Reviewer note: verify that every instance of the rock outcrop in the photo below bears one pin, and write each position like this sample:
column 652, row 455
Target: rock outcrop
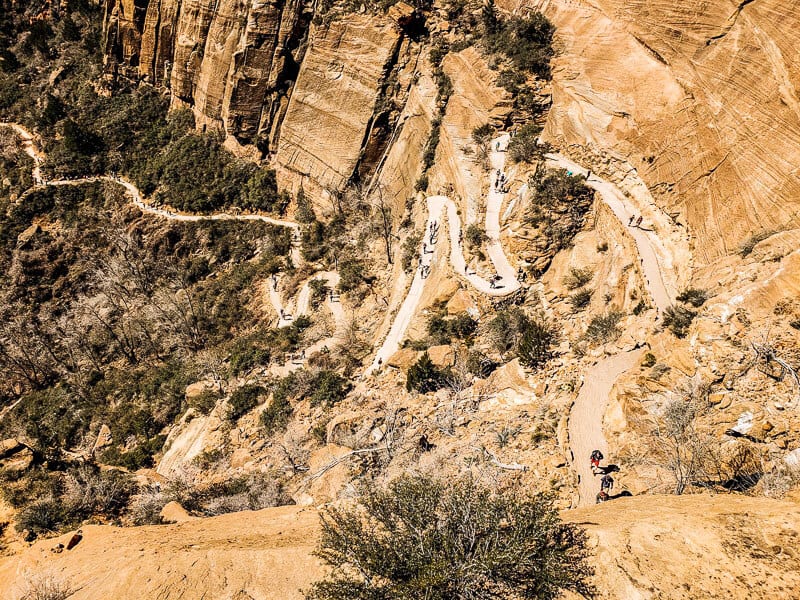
column 699, row 98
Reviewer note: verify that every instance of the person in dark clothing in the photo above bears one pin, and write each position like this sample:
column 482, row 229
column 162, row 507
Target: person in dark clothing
column 606, row 483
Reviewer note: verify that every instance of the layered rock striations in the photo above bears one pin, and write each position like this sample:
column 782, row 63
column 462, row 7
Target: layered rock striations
column 699, row 97
column 322, row 100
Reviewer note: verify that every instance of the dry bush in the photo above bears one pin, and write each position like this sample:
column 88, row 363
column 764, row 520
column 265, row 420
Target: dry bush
column 45, row 585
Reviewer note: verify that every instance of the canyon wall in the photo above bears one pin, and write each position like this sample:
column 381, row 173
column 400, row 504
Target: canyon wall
column 699, row 97
column 319, row 101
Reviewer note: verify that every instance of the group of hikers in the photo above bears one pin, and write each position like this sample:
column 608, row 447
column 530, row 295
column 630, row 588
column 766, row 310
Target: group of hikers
column 606, row 482
column 635, row 221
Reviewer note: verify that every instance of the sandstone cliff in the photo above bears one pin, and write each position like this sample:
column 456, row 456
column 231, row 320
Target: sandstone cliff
column 699, row 97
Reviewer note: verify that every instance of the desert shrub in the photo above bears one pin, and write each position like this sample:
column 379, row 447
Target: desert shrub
column 442, row 330
column 580, row 299
column 693, row 296
column 475, row 236
column 450, row 540
column 204, row 402
column 277, row 414
column 421, row 184
column 578, row 278
column 746, row 247
column 536, row 345
column 678, row 318
column 145, row 507
column 424, row 377
column 506, row 329
column 243, row 400
column 648, row 360
column 352, row 274
column 795, row 324
column 247, row 352
column 640, row 307
column 411, row 246
column 319, row 291
column 604, row 328
column 559, row 205
column 45, row 515
column 45, row 584
column 482, row 134
column 328, row 388
column 524, row 146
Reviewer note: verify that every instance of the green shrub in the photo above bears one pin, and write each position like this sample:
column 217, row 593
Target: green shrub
column 536, row 346
column 411, row 246
column 693, row 296
column 319, row 292
column 424, row 377
column 677, row 319
column 442, row 330
column 328, row 388
column 450, row 540
column 604, row 328
column 559, row 205
column 204, row 402
column 277, row 414
column 580, row 299
column 524, row 146
column 475, row 236
column 352, row 274
column 648, row 360
column 421, row 184
column 578, row 278
column 243, row 400
column 482, row 134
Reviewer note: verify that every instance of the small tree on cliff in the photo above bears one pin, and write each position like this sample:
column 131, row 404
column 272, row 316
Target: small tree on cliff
column 450, row 540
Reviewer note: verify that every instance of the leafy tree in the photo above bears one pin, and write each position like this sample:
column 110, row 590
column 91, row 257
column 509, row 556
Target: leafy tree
column 424, row 377
column 243, row 400
column 450, row 540
column 536, row 345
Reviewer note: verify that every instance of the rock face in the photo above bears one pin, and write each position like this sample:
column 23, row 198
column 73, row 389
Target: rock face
column 321, row 102
column 331, row 109
column 231, row 60
column 699, row 97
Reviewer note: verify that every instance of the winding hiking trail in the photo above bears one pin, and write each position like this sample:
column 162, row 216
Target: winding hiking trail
column 586, row 415
column 646, row 241
column 507, row 276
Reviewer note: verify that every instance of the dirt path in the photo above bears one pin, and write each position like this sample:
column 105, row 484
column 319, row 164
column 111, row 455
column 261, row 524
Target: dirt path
column 646, row 241
column 586, row 419
column 438, row 205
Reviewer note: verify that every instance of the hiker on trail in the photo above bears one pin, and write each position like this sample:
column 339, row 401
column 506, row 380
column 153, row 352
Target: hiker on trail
column 282, row 314
column 492, row 283
column 630, row 221
column 639, row 221
column 601, row 497
column 466, row 269
column 588, row 174
column 595, row 459
column 606, row 483
column 424, row 248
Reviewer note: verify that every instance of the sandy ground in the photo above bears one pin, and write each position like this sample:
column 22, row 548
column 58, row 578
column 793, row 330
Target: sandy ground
column 586, row 420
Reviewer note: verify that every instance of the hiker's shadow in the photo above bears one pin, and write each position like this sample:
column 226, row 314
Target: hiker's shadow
column 606, row 470
column 622, row 494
